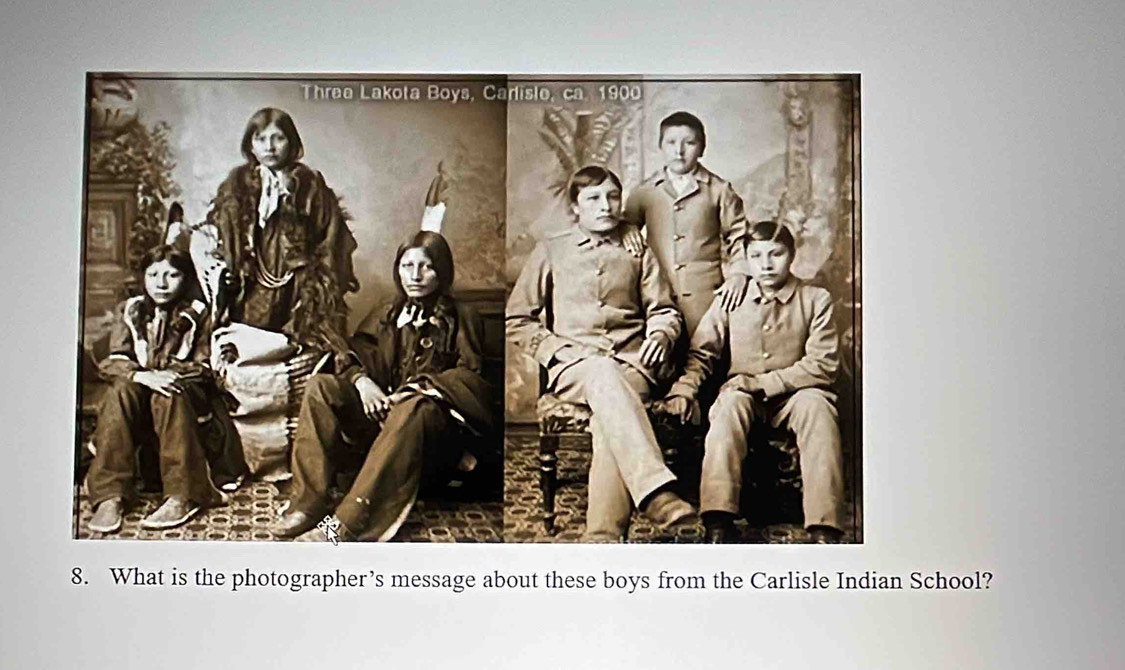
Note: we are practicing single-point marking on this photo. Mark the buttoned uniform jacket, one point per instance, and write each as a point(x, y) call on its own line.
point(688, 232)
point(785, 342)
point(604, 302)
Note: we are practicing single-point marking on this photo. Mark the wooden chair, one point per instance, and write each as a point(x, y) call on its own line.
point(558, 419)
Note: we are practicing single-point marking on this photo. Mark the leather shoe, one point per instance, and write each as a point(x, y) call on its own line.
point(294, 523)
point(107, 517)
point(667, 509)
point(824, 535)
point(175, 511)
point(720, 531)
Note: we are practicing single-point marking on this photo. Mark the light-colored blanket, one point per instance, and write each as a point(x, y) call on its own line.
point(268, 380)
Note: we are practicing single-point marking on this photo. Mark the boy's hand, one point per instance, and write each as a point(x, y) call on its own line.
point(632, 239)
point(655, 349)
point(677, 406)
point(376, 404)
point(164, 382)
point(733, 291)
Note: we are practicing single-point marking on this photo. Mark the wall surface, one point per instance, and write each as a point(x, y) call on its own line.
point(746, 144)
point(378, 156)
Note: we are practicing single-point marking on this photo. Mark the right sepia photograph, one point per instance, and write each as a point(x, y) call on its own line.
point(683, 318)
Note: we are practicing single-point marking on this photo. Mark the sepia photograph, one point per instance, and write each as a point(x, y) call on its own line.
point(498, 309)
point(291, 309)
point(684, 317)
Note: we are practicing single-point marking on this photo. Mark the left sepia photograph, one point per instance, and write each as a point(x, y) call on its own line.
point(292, 308)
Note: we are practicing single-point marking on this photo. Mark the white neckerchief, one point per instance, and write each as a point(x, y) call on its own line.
point(157, 326)
point(411, 313)
point(273, 188)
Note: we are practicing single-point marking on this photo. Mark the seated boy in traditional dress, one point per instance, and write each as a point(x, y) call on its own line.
point(782, 346)
point(614, 323)
point(162, 391)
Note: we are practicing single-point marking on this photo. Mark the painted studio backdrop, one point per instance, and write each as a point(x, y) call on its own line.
point(790, 148)
point(158, 140)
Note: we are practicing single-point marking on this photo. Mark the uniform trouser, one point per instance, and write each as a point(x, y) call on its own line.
point(131, 415)
point(387, 484)
point(693, 306)
point(811, 414)
point(627, 463)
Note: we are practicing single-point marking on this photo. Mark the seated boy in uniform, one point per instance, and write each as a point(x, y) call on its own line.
point(614, 324)
point(783, 360)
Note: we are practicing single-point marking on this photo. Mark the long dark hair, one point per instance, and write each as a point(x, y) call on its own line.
point(178, 259)
point(437, 249)
point(260, 121)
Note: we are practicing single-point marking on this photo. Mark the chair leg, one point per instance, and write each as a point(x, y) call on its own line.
point(548, 478)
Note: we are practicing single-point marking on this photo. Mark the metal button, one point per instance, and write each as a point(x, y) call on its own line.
point(678, 207)
point(766, 355)
point(599, 272)
point(677, 237)
point(766, 327)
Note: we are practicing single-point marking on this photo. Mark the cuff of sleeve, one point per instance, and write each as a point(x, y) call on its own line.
point(682, 389)
point(666, 332)
point(772, 384)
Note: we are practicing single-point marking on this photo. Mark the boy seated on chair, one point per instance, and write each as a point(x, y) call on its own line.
point(614, 323)
point(783, 348)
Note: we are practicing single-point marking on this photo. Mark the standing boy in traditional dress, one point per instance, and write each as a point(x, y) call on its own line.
point(783, 348)
point(614, 322)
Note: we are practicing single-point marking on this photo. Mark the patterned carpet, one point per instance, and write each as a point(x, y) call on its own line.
point(254, 506)
point(523, 520)
point(251, 509)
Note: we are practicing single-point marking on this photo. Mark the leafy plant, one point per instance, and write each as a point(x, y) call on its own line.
point(140, 155)
point(579, 139)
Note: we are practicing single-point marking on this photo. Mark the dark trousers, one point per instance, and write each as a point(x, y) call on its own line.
point(387, 484)
point(131, 416)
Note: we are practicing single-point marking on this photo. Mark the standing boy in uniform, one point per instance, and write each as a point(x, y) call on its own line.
point(689, 214)
point(783, 360)
point(614, 322)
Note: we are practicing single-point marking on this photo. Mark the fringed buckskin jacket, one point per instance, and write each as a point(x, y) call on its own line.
point(437, 351)
point(144, 337)
point(294, 259)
